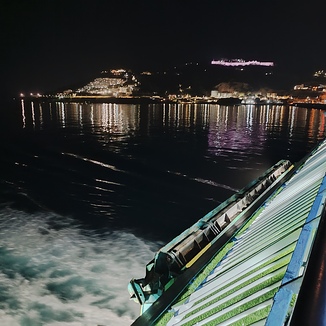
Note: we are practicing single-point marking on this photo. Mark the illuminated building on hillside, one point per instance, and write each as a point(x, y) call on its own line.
point(320, 73)
point(241, 63)
point(116, 83)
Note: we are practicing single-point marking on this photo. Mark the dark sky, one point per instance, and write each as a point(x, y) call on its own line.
point(47, 44)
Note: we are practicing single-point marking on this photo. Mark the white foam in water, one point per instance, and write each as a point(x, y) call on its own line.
point(53, 274)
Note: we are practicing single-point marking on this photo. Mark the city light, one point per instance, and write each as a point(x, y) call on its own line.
point(116, 82)
point(240, 63)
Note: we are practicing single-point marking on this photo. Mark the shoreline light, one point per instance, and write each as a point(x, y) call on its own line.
point(239, 62)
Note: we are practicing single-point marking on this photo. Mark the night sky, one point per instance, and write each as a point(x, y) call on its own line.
point(49, 44)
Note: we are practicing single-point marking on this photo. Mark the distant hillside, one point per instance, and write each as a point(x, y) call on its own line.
point(200, 79)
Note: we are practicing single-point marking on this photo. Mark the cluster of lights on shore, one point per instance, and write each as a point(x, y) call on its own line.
point(110, 86)
point(120, 83)
point(30, 94)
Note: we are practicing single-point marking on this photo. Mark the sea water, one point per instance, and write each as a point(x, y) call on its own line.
point(90, 191)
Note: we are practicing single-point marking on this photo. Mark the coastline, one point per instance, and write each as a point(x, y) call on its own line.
point(161, 100)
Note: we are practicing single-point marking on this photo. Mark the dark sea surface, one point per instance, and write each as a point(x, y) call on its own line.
point(89, 192)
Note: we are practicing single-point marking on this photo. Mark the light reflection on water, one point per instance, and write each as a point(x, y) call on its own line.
point(126, 118)
point(178, 137)
point(187, 139)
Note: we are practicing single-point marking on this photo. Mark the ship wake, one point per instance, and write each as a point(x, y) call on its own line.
point(54, 273)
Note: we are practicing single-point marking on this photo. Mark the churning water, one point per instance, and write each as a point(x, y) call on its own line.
point(53, 273)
